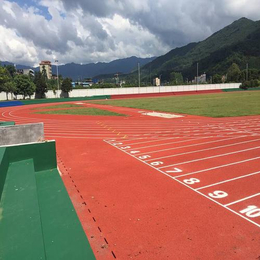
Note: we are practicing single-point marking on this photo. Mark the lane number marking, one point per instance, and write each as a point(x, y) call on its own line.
point(251, 211)
point(156, 163)
point(143, 157)
point(191, 181)
point(218, 194)
point(126, 147)
point(174, 170)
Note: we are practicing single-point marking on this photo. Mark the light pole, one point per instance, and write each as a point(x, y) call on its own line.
point(160, 77)
point(197, 76)
point(56, 61)
point(139, 77)
point(247, 72)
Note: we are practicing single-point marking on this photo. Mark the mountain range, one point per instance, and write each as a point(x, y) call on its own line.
point(79, 72)
point(238, 43)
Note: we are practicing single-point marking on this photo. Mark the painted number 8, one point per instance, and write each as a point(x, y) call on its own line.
point(191, 181)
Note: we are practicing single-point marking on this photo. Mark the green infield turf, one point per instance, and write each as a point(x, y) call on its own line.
point(57, 106)
point(211, 105)
point(82, 111)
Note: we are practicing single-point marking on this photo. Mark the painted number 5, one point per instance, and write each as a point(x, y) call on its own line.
point(218, 194)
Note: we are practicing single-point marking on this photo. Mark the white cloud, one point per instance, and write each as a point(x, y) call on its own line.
point(86, 31)
point(15, 48)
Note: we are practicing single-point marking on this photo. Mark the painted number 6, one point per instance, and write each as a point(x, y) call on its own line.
point(156, 163)
point(218, 194)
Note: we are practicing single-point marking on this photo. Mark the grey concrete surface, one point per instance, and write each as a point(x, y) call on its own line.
point(20, 134)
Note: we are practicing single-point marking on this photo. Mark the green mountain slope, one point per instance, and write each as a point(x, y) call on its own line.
point(239, 42)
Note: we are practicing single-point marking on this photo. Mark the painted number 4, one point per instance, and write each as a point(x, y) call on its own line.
point(251, 211)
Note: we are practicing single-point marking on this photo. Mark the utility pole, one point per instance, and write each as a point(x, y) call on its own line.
point(160, 83)
point(56, 61)
point(247, 72)
point(150, 76)
point(197, 76)
point(139, 77)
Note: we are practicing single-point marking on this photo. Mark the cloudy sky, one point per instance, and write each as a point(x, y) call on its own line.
point(85, 31)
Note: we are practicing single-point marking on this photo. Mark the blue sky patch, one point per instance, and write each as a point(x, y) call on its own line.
point(34, 3)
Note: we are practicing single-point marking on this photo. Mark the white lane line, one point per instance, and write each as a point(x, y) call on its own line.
point(208, 149)
point(143, 147)
point(163, 139)
point(218, 167)
point(189, 187)
point(246, 198)
point(210, 157)
point(233, 179)
point(191, 145)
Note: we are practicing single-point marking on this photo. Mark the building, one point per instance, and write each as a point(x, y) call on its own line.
point(201, 79)
point(47, 66)
point(29, 72)
point(156, 82)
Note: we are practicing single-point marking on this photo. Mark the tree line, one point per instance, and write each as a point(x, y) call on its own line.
point(250, 78)
point(27, 85)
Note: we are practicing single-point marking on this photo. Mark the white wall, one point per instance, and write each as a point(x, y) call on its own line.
point(120, 91)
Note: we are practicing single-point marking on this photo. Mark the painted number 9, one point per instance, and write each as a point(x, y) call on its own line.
point(218, 194)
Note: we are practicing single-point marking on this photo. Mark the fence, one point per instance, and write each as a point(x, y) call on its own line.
point(143, 90)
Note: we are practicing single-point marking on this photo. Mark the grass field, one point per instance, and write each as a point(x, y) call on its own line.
point(57, 106)
point(211, 105)
point(82, 111)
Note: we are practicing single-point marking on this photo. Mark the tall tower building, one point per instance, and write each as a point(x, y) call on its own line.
point(47, 66)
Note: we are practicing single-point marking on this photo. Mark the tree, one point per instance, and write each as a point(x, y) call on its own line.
point(66, 86)
point(217, 79)
point(11, 69)
point(4, 77)
point(44, 72)
point(24, 86)
point(176, 78)
point(9, 87)
point(233, 73)
point(41, 85)
point(52, 85)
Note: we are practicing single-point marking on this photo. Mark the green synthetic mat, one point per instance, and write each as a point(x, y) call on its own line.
point(7, 123)
point(37, 218)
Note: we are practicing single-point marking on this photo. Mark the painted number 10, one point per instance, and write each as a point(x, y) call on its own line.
point(251, 211)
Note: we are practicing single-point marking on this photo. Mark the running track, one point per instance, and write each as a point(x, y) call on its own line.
point(154, 188)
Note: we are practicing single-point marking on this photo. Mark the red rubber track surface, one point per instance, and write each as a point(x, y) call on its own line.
point(154, 188)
